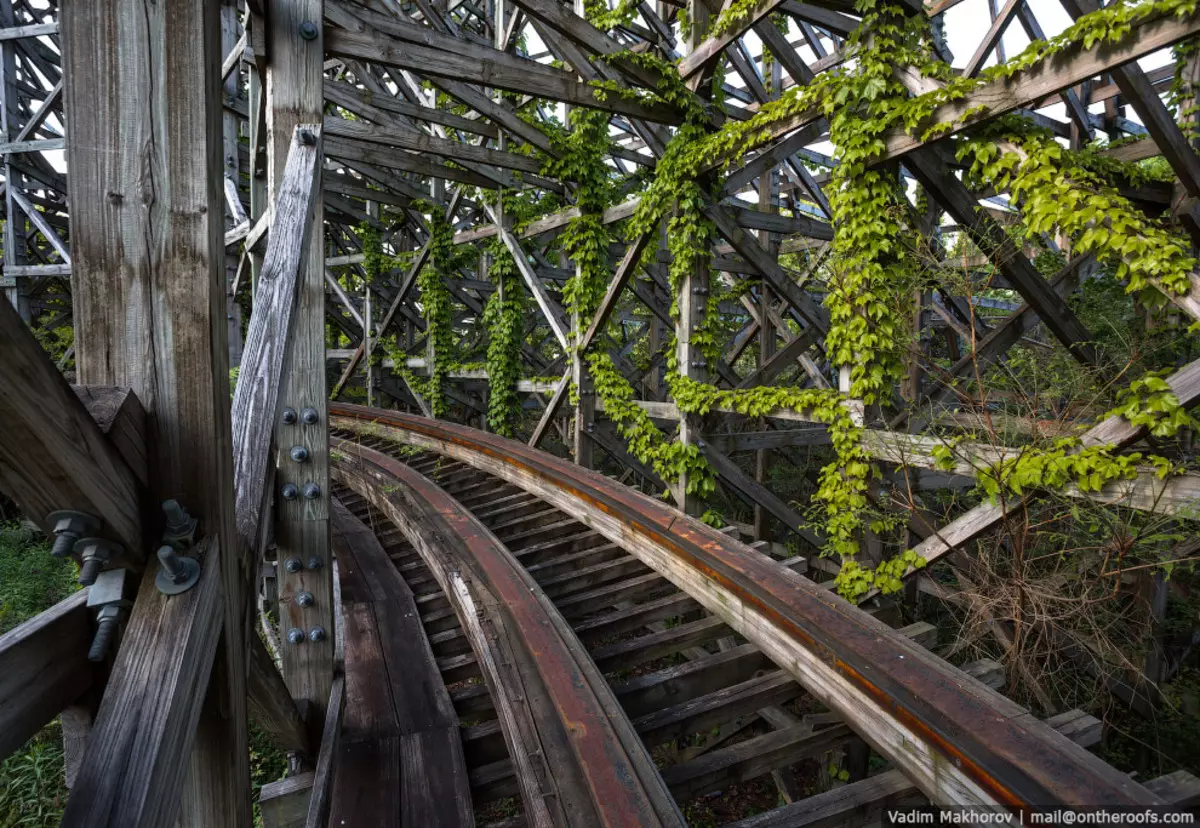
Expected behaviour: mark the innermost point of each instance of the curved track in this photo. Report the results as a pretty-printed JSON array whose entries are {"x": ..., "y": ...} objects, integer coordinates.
[{"x": 569, "y": 546}]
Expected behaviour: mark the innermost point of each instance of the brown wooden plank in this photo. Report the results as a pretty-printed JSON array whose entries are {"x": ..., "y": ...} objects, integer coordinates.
[
  {"x": 43, "y": 668},
  {"x": 433, "y": 779},
  {"x": 52, "y": 453}
]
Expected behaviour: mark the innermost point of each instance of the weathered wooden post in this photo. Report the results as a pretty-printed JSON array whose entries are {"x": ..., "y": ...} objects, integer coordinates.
[
  {"x": 295, "y": 95},
  {"x": 144, "y": 110}
]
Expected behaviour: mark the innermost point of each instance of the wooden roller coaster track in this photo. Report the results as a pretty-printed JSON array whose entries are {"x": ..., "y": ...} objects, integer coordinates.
[{"x": 527, "y": 567}]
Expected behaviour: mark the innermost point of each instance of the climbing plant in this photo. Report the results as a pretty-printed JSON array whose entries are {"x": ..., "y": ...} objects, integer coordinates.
[{"x": 504, "y": 317}]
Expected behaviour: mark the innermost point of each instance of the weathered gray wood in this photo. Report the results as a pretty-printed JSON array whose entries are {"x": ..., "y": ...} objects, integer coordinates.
[
  {"x": 52, "y": 453},
  {"x": 148, "y": 287},
  {"x": 284, "y": 804},
  {"x": 295, "y": 86},
  {"x": 122, "y": 419},
  {"x": 256, "y": 398},
  {"x": 136, "y": 760},
  {"x": 271, "y": 706},
  {"x": 43, "y": 668},
  {"x": 318, "y": 803}
]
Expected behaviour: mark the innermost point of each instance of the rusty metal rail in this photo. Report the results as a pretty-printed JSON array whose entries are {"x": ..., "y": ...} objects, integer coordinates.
[
  {"x": 576, "y": 756},
  {"x": 962, "y": 744}
]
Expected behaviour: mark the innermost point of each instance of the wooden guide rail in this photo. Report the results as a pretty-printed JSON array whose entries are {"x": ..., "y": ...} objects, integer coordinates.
[
  {"x": 960, "y": 743},
  {"x": 580, "y": 764}
]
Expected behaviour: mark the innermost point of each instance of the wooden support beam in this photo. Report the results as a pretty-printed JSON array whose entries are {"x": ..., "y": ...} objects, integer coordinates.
[
  {"x": 295, "y": 95},
  {"x": 136, "y": 760},
  {"x": 148, "y": 287},
  {"x": 52, "y": 453},
  {"x": 43, "y": 668},
  {"x": 318, "y": 803},
  {"x": 271, "y": 706},
  {"x": 268, "y": 340}
]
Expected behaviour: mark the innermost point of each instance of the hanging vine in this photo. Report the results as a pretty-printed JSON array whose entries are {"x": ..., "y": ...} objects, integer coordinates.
[
  {"x": 504, "y": 316},
  {"x": 436, "y": 308}
]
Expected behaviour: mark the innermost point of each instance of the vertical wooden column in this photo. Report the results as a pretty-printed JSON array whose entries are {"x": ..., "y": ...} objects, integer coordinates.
[
  {"x": 148, "y": 283},
  {"x": 295, "y": 95},
  {"x": 693, "y": 299}
]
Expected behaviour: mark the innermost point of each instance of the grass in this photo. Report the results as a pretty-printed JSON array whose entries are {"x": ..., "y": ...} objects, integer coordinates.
[{"x": 33, "y": 791}]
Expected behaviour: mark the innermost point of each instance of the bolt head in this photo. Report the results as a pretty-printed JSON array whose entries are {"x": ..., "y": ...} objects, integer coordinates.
[
  {"x": 316, "y": 634},
  {"x": 289, "y": 491},
  {"x": 295, "y": 635},
  {"x": 315, "y": 563},
  {"x": 309, "y": 416},
  {"x": 186, "y": 575},
  {"x": 298, "y": 454},
  {"x": 308, "y": 30},
  {"x": 289, "y": 416},
  {"x": 293, "y": 565},
  {"x": 304, "y": 599},
  {"x": 312, "y": 491}
]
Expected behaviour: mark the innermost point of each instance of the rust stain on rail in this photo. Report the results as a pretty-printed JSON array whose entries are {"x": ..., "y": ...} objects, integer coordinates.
[
  {"x": 603, "y": 761},
  {"x": 1017, "y": 761}
]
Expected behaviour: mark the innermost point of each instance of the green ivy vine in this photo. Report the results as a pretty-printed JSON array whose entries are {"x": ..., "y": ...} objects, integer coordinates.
[{"x": 504, "y": 316}]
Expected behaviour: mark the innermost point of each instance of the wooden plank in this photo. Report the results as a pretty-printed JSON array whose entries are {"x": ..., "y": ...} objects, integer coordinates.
[
  {"x": 148, "y": 288},
  {"x": 52, "y": 453},
  {"x": 1185, "y": 383},
  {"x": 135, "y": 762},
  {"x": 284, "y": 804},
  {"x": 415, "y": 141},
  {"x": 421, "y": 49},
  {"x": 43, "y": 668},
  {"x": 271, "y": 706},
  {"x": 268, "y": 340},
  {"x": 1062, "y": 71},
  {"x": 122, "y": 419},
  {"x": 318, "y": 803},
  {"x": 707, "y": 52}
]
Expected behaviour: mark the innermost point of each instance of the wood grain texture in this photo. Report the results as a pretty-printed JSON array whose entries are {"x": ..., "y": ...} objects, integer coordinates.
[
  {"x": 318, "y": 803},
  {"x": 148, "y": 286},
  {"x": 295, "y": 95},
  {"x": 271, "y": 706},
  {"x": 43, "y": 668},
  {"x": 284, "y": 804},
  {"x": 122, "y": 419},
  {"x": 136, "y": 760},
  {"x": 52, "y": 453},
  {"x": 268, "y": 341}
]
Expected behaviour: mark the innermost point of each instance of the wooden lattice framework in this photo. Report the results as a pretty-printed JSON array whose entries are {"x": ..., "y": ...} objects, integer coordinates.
[{"x": 288, "y": 125}]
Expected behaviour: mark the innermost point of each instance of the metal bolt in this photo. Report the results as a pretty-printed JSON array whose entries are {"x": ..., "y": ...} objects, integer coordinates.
[
  {"x": 700, "y": 291},
  {"x": 289, "y": 416},
  {"x": 701, "y": 444},
  {"x": 289, "y": 491},
  {"x": 293, "y": 565},
  {"x": 95, "y": 552},
  {"x": 70, "y": 526},
  {"x": 309, "y": 416},
  {"x": 295, "y": 636},
  {"x": 312, "y": 491},
  {"x": 107, "y": 622},
  {"x": 304, "y": 599},
  {"x": 308, "y": 30},
  {"x": 299, "y": 454},
  {"x": 316, "y": 634},
  {"x": 699, "y": 363},
  {"x": 315, "y": 563},
  {"x": 181, "y": 527},
  {"x": 179, "y": 573},
  {"x": 307, "y": 138}
]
